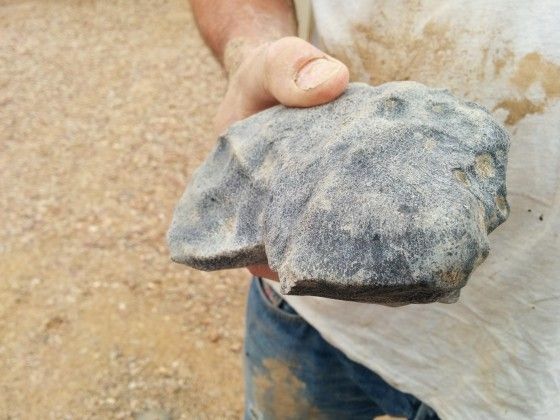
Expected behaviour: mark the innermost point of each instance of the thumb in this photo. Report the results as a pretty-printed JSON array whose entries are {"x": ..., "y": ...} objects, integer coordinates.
[
  {"x": 289, "y": 71},
  {"x": 298, "y": 74}
]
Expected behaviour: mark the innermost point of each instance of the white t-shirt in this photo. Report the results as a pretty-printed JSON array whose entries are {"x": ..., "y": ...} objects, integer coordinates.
[{"x": 495, "y": 353}]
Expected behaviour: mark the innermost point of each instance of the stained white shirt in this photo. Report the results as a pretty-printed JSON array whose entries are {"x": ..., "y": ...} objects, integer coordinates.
[{"x": 495, "y": 353}]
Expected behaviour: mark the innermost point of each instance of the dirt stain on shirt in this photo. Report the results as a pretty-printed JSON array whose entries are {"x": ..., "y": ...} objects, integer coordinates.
[
  {"x": 519, "y": 109},
  {"x": 501, "y": 59},
  {"x": 532, "y": 69},
  {"x": 400, "y": 55},
  {"x": 388, "y": 47}
]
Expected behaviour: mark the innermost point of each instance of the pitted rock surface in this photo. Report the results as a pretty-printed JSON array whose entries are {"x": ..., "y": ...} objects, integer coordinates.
[{"x": 385, "y": 195}]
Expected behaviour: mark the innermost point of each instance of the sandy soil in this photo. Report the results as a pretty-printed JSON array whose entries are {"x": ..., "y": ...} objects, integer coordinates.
[{"x": 105, "y": 110}]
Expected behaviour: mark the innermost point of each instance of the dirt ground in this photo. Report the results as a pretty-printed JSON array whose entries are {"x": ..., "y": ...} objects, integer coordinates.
[{"x": 105, "y": 111}]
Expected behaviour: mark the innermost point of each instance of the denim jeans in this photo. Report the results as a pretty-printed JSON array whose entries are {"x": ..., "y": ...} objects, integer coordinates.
[{"x": 291, "y": 372}]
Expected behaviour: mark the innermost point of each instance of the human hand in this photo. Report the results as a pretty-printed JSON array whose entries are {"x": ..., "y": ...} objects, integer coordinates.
[{"x": 289, "y": 71}]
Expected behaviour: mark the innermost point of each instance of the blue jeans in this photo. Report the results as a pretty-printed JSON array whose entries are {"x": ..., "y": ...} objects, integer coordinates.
[{"x": 291, "y": 372}]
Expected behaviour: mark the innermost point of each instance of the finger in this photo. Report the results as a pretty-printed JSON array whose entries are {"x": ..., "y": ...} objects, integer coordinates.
[
  {"x": 263, "y": 270},
  {"x": 292, "y": 72},
  {"x": 298, "y": 74},
  {"x": 289, "y": 71}
]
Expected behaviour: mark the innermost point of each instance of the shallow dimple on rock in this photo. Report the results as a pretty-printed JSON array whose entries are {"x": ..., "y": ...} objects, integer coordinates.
[
  {"x": 440, "y": 108},
  {"x": 461, "y": 176},
  {"x": 392, "y": 107},
  {"x": 501, "y": 203},
  {"x": 484, "y": 165},
  {"x": 453, "y": 277},
  {"x": 481, "y": 217},
  {"x": 384, "y": 195},
  {"x": 430, "y": 143}
]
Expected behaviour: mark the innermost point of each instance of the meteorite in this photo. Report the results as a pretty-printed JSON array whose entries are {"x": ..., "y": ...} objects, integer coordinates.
[{"x": 385, "y": 195}]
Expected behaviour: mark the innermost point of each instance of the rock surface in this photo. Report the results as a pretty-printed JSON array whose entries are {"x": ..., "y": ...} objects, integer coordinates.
[{"x": 385, "y": 195}]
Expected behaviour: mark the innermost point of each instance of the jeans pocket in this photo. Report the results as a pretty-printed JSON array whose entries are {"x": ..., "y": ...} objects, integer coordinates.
[{"x": 275, "y": 303}]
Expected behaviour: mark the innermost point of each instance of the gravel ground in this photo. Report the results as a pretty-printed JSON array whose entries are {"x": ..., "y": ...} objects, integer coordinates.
[{"x": 105, "y": 111}]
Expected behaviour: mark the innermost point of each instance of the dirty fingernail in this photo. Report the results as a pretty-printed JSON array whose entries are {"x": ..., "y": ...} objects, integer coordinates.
[{"x": 316, "y": 72}]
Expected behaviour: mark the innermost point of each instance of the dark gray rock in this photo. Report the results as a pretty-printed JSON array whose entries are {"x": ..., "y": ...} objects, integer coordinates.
[{"x": 385, "y": 195}]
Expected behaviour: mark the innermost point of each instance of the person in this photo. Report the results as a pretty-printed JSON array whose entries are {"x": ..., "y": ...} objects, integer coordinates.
[{"x": 493, "y": 354}]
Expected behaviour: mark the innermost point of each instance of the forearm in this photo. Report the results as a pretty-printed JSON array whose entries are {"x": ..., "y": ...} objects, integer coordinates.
[{"x": 231, "y": 27}]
